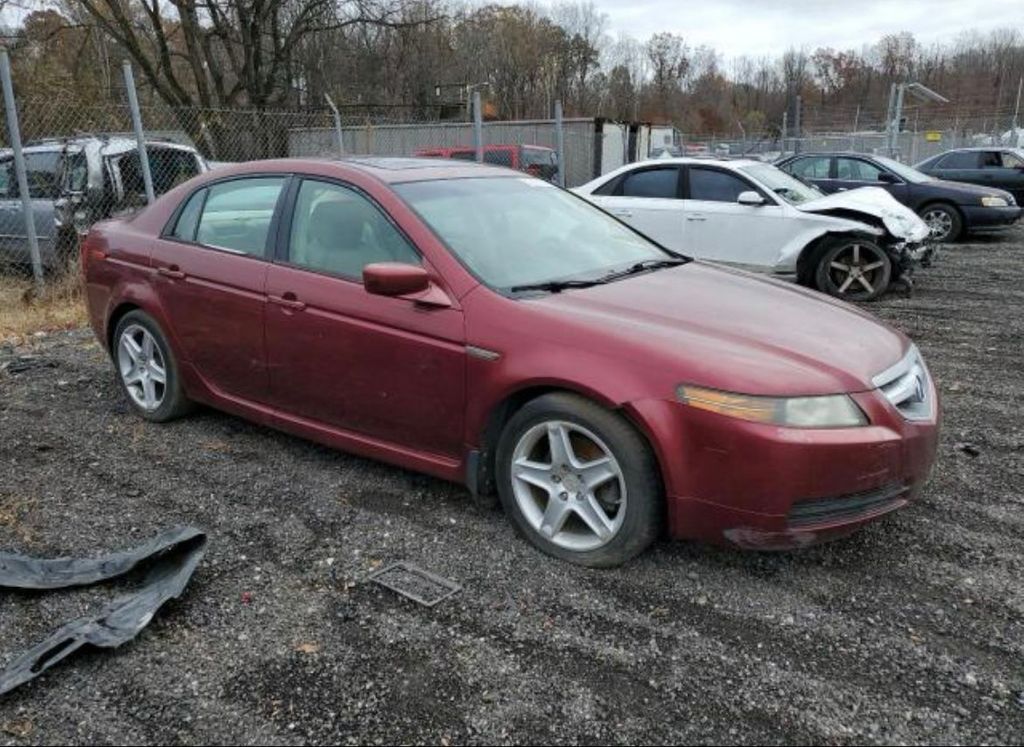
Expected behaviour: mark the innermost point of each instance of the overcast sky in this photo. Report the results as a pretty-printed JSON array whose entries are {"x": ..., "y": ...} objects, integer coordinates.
[{"x": 769, "y": 27}]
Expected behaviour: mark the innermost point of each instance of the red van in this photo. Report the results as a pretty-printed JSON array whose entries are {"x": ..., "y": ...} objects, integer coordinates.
[{"x": 535, "y": 160}]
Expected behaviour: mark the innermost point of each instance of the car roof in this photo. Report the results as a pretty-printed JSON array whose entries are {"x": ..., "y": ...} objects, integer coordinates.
[
  {"x": 697, "y": 160},
  {"x": 105, "y": 146},
  {"x": 388, "y": 169}
]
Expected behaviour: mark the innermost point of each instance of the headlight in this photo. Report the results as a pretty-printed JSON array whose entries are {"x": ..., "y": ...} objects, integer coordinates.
[
  {"x": 992, "y": 201},
  {"x": 831, "y": 411}
]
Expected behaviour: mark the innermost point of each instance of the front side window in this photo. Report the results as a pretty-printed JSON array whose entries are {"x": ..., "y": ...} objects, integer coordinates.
[
  {"x": 1012, "y": 160},
  {"x": 856, "y": 170},
  {"x": 78, "y": 172},
  {"x": 237, "y": 214},
  {"x": 713, "y": 185},
  {"x": 789, "y": 188},
  {"x": 660, "y": 183},
  {"x": 810, "y": 168},
  {"x": 339, "y": 231},
  {"x": 512, "y": 231}
]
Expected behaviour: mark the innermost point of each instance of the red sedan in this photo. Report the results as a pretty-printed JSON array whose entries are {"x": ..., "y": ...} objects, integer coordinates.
[{"x": 489, "y": 328}]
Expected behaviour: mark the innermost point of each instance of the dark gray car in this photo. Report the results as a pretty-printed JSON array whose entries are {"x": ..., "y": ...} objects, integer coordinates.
[
  {"x": 949, "y": 208},
  {"x": 74, "y": 182},
  {"x": 988, "y": 167}
]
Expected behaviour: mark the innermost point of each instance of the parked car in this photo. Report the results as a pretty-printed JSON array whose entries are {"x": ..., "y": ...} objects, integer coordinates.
[
  {"x": 988, "y": 167},
  {"x": 73, "y": 182},
  {"x": 752, "y": 215},
  {"x": 535, "y": 160},
  {"x": 949, "y": 208},
  {"x": 489, "y": 328}
]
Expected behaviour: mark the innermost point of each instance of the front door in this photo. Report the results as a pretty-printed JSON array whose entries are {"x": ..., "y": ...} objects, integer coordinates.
[
  {"x": 722, "y": 230},
  {"x": 382, "y": 367}
]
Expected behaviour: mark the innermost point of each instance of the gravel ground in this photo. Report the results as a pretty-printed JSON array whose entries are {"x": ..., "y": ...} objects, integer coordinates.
[{"x": 910, "y": 632}]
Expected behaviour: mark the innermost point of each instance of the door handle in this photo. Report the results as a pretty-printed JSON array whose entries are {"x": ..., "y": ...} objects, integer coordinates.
[
  {"x": 696, "y": 217},
  {"x": 622, "y": 213},
  {"x": 173, "y": 272},
  {"x": 842, "y": 189},
  {"x": 289, "y": 301}
]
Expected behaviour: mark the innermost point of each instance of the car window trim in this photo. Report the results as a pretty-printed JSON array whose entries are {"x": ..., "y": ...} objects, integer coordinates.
[
  {"x": 753, "y": 187},
  {"x": 167, "y": 234},
  {"x": 282, "y": 249}
]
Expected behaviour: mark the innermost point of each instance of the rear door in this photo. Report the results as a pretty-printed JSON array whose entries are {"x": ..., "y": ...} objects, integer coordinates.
[
  {"x": 648, "y": 198},
  {"x": 211, "y": 266},
  {"x": 44, "y": 170},
  {"x": 720, "y": 229},
  {"x": 959, "y": 166},
  {"x": 383, "y": 367}
]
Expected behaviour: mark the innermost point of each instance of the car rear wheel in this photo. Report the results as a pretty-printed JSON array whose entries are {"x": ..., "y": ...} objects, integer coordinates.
[
  {"x": 854, "y": 269},
  {"x": 943, "y": 221},
  {"x": 578, "y": 481},
  {"x": 147, "y": 369}
]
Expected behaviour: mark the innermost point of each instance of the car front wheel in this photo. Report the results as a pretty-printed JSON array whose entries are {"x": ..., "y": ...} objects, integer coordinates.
[
  {"x": 943, "y": 222},
  {"x": 854, "y": 269},
  {"x": 147, "y": 369},
  {"x": 578, "y": 481}
]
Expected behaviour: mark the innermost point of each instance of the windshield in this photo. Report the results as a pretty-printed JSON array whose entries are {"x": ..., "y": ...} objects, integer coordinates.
[
  {"x": 788, "y": 187},
  {"x": 523, "y": 231},
  {"x": 906, "y": 173}
]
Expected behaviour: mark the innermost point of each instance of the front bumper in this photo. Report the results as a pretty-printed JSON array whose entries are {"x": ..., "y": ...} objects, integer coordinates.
[
  {"x": 979, "y": 218},
  {"x": 766, "y": 487}
]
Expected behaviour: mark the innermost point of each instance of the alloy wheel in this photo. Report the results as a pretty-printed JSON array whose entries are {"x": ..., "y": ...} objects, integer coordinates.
[
  {"x": 857, "y": 269},
  {"x": 939, "y": 222},
  {"x": 142, "y": 367},
  {"x": 568, "y": 485}
]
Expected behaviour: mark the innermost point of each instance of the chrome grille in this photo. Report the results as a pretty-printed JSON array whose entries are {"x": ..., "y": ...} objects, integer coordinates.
[{"x": 907, "y": 385}]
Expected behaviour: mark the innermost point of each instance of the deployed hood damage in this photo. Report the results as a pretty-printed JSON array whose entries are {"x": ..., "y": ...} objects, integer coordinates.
[{"x": 899, "y": 220}]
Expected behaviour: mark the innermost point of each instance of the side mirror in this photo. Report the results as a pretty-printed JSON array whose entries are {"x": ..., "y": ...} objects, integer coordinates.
[
  {"x": 888, "y": 178},
  {"x": 399, "y": 279},
  {"x": 751, "y": 198}
]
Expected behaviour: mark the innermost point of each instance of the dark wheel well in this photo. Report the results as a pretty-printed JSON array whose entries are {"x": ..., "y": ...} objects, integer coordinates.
[
  {"x": 808, "y": 260},
  {"x": 115, "y": 317},
  {"x": 483, "y": 482}
]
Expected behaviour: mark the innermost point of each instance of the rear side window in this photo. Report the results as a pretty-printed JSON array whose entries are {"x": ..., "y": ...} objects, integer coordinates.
[
  {"x": 713, "y": 185},
  {"x": 185, "y": 228},
  {"x": 43, "y": 171},
  {"x": 500, "y": 157},
  {"x": 990, "y": 159},
  {"x": 237, "y": 214},
  {"x": 966, "y": 159},
  {"x": 538, "y": 157},
  {"x": 661, "y": 183},
  {"x": 809, "y": 168},
  {"x": 337, "y": 230}
]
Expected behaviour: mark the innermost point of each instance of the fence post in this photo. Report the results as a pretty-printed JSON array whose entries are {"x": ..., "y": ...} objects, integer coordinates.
[
  {"x": 560, "y": 143},
  {"x": 478, "y": 128},
  {"x": 337, "y": 124},
  {"x": 140, "y": 143},
  {"x": 19, "y": 169}
]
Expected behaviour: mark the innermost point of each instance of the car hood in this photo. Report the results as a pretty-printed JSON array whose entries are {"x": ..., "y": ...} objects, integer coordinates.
[
  {"x": 899, "y": 220},
  {"x": 968, "y": 190},
  {"x": 731, "y": 330}
]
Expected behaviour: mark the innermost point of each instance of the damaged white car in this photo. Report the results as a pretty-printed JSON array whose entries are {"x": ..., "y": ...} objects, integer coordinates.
[{"x": 750, "y": 214}]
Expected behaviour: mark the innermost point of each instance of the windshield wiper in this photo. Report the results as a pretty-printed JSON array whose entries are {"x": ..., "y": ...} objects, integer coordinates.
[
  {"x": 647, "y": 264},
  {"x": 555, "y": 286}
]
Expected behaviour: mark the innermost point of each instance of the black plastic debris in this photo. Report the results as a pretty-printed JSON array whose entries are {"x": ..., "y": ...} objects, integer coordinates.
[
  {"x": 24, "y": 363},
  {"x": 422, "y": 587},
  {"x": 174, "y": 555}
]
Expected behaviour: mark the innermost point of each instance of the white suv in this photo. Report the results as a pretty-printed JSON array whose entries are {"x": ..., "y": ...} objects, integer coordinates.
[{"x": 750, "y": 214}]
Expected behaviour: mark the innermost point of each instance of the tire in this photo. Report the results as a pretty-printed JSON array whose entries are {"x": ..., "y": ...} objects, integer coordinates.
[
  {"x": 944, "y": 221},
  {"x": 626, "y": 487},
  {"x": 853, "y": 269},
  {"x": 139, "y": 369}
]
